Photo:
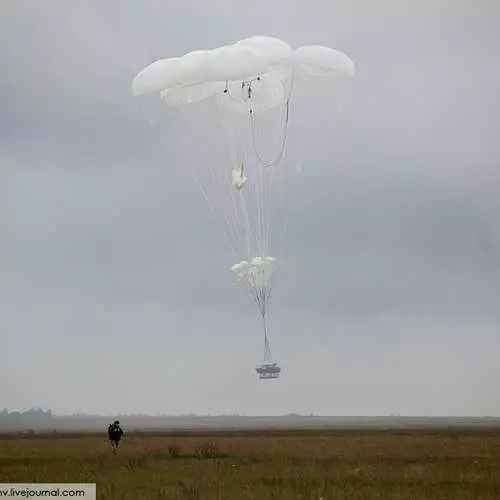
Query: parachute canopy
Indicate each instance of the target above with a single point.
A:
(264, 61)
(257, 273)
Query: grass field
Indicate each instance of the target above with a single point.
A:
(316, 464)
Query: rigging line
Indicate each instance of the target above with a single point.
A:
(269, 163)
(259, 188)
(247, 220)
(238, 219)
(236, 227)
(269, 211)
(230, 218)
(212, 210)
(268, 357)
(263, 225)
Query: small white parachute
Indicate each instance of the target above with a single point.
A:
(239, 178)
(258, 273)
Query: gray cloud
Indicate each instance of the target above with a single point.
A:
(114, 274)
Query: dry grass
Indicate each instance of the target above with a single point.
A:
(301, 465)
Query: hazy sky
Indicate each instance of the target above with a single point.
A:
(114, 289)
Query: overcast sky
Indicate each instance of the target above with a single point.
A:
(114, 289)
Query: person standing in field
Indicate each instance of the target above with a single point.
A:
(115, 433)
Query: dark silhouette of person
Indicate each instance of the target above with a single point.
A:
(115, 433)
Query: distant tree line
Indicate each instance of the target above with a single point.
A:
(33, 416)
(36, 419)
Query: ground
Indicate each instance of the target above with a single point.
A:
(316, 464)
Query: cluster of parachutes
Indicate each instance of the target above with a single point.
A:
(248, 79)
(246, 76)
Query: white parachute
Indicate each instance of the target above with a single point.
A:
(244, 83)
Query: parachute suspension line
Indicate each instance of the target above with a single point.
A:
(262, 211)
(231, 219)
(259, 214)
(268, 206)
(251, 223)
(261, 188)
(255, 295)
(212, 209)
(268, 228)
(270, 163)
(255, 214)
(281, 212)
(214, 214)
(265, 215)
(267, 350)
(236, 156)
(261, 294)
(241, 216)
(240, 229)
(226, 231)
(244, 220)
(247, 222)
